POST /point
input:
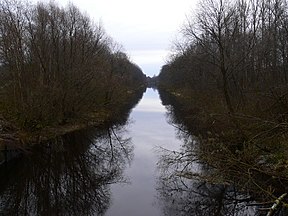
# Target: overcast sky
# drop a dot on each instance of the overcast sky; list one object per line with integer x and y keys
{"x": 145, "y": 28}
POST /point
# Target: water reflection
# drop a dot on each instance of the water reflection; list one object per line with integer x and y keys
{"x": 67, "y": 176}
{"x": 187, "y": 186}
{"x": 150, "y": 103}
{"x": 72, "y": 174}
{"x": 148, "y": 131}
{"x": 182, "y": 193}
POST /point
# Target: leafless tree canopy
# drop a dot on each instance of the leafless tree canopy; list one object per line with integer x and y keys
{"x": 228, "y": 78}
{"x": 55, "y": 62}
{"x": 232, "y": 46}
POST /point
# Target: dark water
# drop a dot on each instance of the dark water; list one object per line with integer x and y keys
{"x": 130, "y": 167}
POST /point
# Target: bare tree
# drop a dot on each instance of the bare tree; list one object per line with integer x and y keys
{"x": 58, "y": 62}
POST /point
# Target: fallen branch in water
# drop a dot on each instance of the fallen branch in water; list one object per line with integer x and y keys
{"x": 278, "y": 202}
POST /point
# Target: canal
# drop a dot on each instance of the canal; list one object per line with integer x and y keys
{"x": 99, "y": 171}
{"x": 150, "y": 133}
{"x": 142, "y": 164}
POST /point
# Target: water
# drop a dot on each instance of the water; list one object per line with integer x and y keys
{"x": 108, "y": 171}
{"x": 150, "y": 132}
{"x": 130, "y": 167}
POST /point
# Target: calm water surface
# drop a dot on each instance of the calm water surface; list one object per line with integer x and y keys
{"x": 129, "y": 168}
{"x": 109, "y": 171}
{"x": 150, "y": 132}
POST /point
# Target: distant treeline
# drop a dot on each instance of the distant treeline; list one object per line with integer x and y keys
{"x": 55, "y": 64}
{"x": 232, "y": 46}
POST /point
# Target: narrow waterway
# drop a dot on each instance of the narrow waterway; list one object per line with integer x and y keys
{"x": 143, "y": 163}
{"x": 111, "y": 170}
{"x": 149, "y": 131}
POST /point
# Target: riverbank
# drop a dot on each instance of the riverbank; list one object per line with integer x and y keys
{"x": 73, "y": 77}
{"x": 14, "y": 137}
{"x": 247, "y": 149}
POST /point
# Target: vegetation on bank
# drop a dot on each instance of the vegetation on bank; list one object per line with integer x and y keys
{"x": 57, "y": 66}
{"x": 229, "y": 76}
{"x": 39, "y": 183}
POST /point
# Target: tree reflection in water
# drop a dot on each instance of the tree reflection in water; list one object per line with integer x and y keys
{"x": 183, "y": 189}
{"x": 188, "y": 186}
{"x": 67, "y": 176}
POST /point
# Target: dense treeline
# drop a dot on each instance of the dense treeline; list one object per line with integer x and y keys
{"x": 56, "y": 64}
{"x": 229, "y": 78}
{"x": 232, "y": 46}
